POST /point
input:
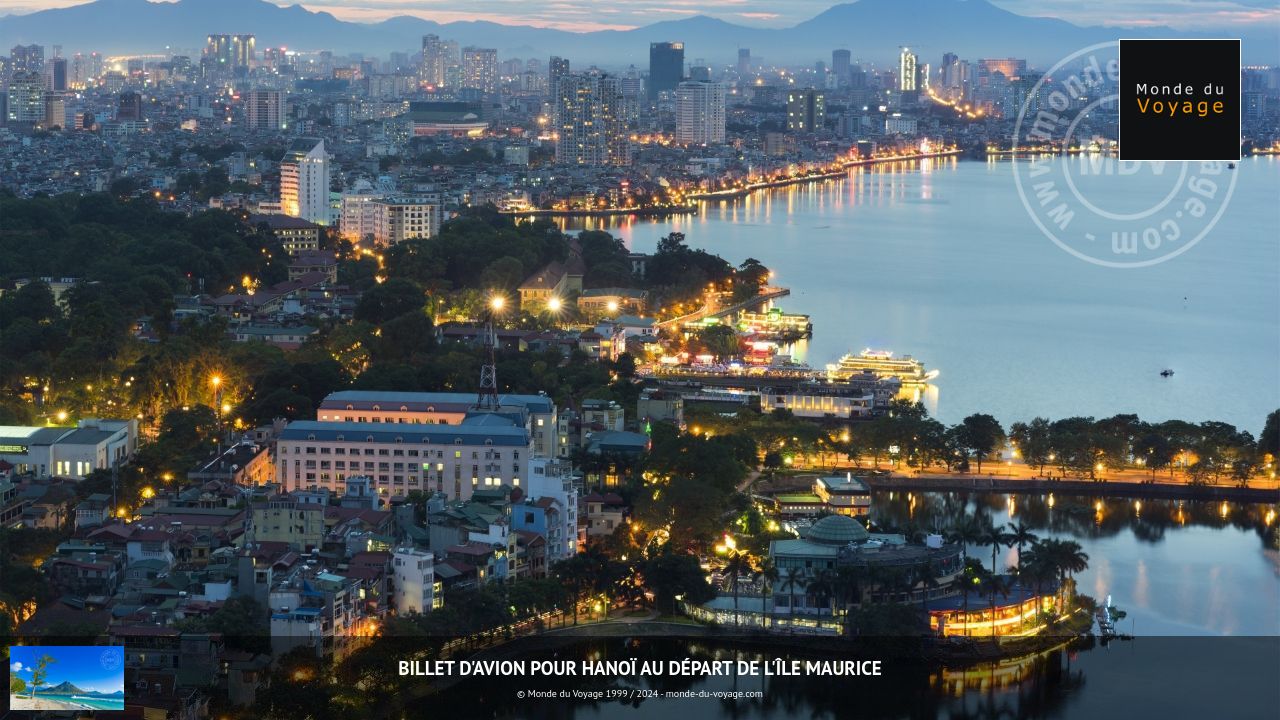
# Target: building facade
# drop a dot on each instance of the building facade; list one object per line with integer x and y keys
{"x": 304, "y": 181}
{"x": 700, "y": 114}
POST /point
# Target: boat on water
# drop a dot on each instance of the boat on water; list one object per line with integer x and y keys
{"x": 884, "y": 364}
{"x": 1166, "y": 373}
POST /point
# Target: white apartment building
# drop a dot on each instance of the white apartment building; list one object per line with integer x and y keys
{"x": 396, "y": 219}
{"x": 549, "y": 478}
{"x": 264, "y": 110}
{"x": 700, "y": 115}
{"x": 304, "y": 181}
{"x": 415, "y": 586}
{"x": 440, "y": 408}
{"x": 356, "y": 217}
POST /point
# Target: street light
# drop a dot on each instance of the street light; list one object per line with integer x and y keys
{"x": 554, "y": 304}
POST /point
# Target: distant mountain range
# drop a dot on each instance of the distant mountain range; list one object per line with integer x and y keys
{"x": 871, "y": 29}
{"x": 62, "y": 688}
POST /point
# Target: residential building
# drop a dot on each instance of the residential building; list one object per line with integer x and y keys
{"x": 806, "y": 110}
{"x": 415, "y": 588}
{"x": 71, "y": 452}
{"x": 591, "y": 128}
{"x": 295, "y": 234}
{"x": 700, "y": 114}
{"x": 264, "y": 110}
{"x": 25, "y": 98}
{"x": 396, "y": 219}
{"x": 480, "y": 69}
{"x": 304, "y": 181}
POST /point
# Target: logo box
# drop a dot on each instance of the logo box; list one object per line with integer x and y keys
{"x": 1180, "y": 99}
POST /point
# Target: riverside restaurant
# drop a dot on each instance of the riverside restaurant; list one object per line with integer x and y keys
{"x": 1017, "y": 612}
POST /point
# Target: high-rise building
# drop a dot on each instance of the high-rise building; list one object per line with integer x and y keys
{"x": 556, "y": 67}
{"x": 480, "y": 69}
{"x": 666, "y": 67}
{"x": 56, "y": 75}
{"x": 589, "y": 122}
{"x": 906, "y": 71}
{"x": 434, "y": 61}
{"x": 26, "y": 98}
{"x": 129, "y": 107}
{"x": 744, "y": 61}
{"x": 26, "y": 59}
{"x": 264, "y": 110}
{"x": 806, "y": 110}
{"x": 304, "y": 181}
{"x": 700, "y": 115}
{"x": 55, "y": 110}
{"x": 840, "y": 60}
{"x": 230, "y": 51}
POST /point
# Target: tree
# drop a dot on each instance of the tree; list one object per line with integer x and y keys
{"x": 16, "y": 684}
{"x": 792, "y": 578}
{"x": 995, "y": 536}
{"x": 1032, "y": 441}
{"x": 966, "y": 532}
{"x": 1020, "y": 534}
{"x": 981, "y": 434}
{"x": 40, "y": 673}
{"x": 1269, "y": 440}
{"x": 671, "y": 574}
{"x": 390, "y": 299}
{"x": 739, "y": 564}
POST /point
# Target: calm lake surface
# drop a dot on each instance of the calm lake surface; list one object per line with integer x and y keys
{"x": 1198, "y": 580}
{"x": 939, "y": 260}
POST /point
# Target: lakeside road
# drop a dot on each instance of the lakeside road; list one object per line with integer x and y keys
{"x": 1002, "y": 477}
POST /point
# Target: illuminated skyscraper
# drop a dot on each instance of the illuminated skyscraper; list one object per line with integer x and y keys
{"x": 434, "y": 61}
{"x": 26, "y": 98}
{"x": 907, "y": 71}
{"x": 26, "y": 59}
{"x": 480, "y": 69}
{"x": 556, "y": 68}
{"x": 590, "y": 128}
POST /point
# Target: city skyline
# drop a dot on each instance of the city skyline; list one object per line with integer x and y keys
{"x": 580, "y": 16}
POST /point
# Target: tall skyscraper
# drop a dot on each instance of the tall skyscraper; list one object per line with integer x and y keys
{"x": 744, "y": 61}
{"x": 264, "y": 110}
{"x": 840, "y": 65}
{"x": 590, "y": 129}
{"x": 26, "y": 97}
{"x": 556, "y": 68}
{"x": 230, "y": 51}
{"x": 1011, "y": 68}
{"x": 806, "y": 110}
{"x": 666, "y": 67}
{"x": 26, "y": 59}
{"x": 434, "y": 61}
{"x": 480, "y": 69}
{"x": 304, "y": 181}
{"x": 906, "y": 70}
{"x": 243, "y": 50}
{"x": 699, "y": 113}
{"x": 55, "y": 110}
{"x": 56, "y": 75}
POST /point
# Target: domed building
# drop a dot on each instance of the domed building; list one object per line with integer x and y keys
{"x": 837, "y": 530}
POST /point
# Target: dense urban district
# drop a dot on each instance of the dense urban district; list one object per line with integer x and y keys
{"x": 300, "y": 377}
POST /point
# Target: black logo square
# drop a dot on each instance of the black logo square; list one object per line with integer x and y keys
{"x": 1180, "y": 100}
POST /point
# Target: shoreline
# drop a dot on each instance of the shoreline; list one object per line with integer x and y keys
{"x": 605, "y": 212}
{"x": 26, "y": 703}
{"x": 816, "y": 177}
{"x": 1161, "y": 491}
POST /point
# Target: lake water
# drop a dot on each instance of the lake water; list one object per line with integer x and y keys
{"x": 940, "y": 260}
{"x": 1199, "y": 582}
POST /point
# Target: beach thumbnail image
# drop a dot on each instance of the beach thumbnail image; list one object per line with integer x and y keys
{"x": 70, "y": 677}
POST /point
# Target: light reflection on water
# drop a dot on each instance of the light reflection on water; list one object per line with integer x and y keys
{"x": 1177, "y": 567}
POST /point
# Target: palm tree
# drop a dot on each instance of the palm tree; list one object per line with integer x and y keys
{"x": 848, "y": 589}
{"x": 927, "y": 575}
{"x": 995, "y": 584}
{"x": 822, "y": 586}
{"x": 737, "y": 565}
{"x": 767, "y": 572}
{"x": 971, "y": 575}
{"x": 792, "y": 578}
{"x": 966, "y": 532}
{"x": 1069, "y": 558}
{"x": 995, "y": 536}
{"x": 1020, "y": 534}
